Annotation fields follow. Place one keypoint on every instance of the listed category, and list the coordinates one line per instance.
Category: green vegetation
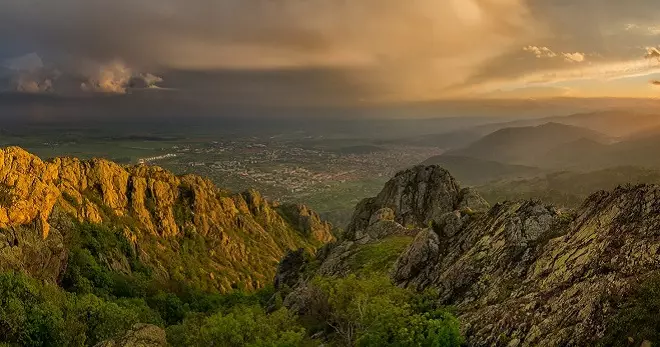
(35, 314)
(567, 189)
(379, 257)
(239, 326)
(638, 318)
(336, 202)
(371, 311)
(106, 289)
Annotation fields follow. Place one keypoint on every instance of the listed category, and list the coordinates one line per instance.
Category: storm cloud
(399, 47)
(371, 49)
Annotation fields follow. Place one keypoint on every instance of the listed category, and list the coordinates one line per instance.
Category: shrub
(638, 317)
(240, 326)
(372, 311)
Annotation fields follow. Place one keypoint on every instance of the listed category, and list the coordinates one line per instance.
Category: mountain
(449, 140)
(618, 123)
(181, 229)
(634, 151)
(615, 123)
(517, 273)
(472, 171)
(567, 189)
(526, 145)
(577, 154)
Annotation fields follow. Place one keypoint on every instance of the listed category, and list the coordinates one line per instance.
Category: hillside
(518, 274)
(567, 189)
(526, 145)
(473, 171)
(632, 151)
(182, 229)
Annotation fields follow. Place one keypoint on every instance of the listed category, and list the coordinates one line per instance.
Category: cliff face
(519, 273)
(243, 235)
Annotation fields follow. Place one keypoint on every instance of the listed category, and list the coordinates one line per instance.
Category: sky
(332, 52)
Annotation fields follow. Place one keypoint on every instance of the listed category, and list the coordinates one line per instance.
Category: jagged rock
(338, 259)
(411, 201)
(414, 196)
(308, 222)
(470, 200)
(526, 274)
(140, 335)
(384, 214)
(450, 223)
(23, 248)
(384, 228)
(245, 235)
(530, 224)
(424, 250)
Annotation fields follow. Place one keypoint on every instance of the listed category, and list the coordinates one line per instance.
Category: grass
(379, 257)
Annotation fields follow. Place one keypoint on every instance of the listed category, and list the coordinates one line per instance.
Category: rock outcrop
(416, 198)
(518, 274)
(409, 203)
(244, 235)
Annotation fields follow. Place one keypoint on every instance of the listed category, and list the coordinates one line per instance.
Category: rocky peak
(151, 205)
(416, 197)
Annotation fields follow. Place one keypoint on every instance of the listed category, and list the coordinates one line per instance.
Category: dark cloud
(401, 49)
(376, 49)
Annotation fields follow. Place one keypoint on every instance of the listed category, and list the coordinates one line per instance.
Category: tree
(373, 312)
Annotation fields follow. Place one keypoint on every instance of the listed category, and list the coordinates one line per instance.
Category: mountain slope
(520, 273)
(473, 171)
(526, 145)
(567, 189)
(183, 229)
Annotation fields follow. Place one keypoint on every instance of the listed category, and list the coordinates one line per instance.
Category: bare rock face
(470, 200)
(526, 274)
(415, 261)
(478, 252)
(413, 195)
(415, 198)
(28, 189)
(241, 231)
(141, 335)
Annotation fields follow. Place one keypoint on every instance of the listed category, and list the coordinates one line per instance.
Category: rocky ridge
(244, 235)
(519, 273)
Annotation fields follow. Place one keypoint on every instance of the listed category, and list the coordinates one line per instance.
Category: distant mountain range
(566, 189)
(474, 171)
(528, 145)
(613, 123)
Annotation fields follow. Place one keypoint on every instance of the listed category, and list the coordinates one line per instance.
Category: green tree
(240, 326)
(373, 312)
